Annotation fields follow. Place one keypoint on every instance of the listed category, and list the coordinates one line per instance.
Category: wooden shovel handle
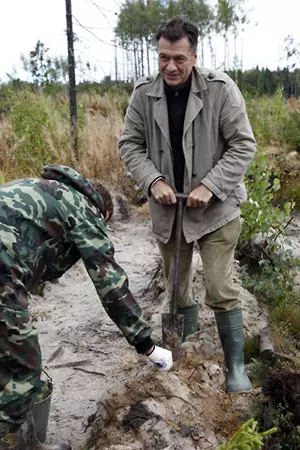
(181, 196)
(181, 201)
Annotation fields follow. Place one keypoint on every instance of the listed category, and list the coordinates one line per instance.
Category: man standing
(186, 130)
(46, 225)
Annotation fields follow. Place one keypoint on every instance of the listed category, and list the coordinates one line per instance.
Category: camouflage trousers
(20, 354)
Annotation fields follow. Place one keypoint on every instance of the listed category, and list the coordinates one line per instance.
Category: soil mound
(182, 409)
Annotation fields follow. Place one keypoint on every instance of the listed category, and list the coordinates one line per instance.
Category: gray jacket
(218, 146)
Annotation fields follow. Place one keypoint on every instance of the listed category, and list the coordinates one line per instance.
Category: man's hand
(161, 358)
(163, 193)
(199, 197)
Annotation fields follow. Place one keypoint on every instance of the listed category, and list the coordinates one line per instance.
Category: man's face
(175, 60)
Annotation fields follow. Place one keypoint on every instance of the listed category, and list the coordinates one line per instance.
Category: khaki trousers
(217, 254)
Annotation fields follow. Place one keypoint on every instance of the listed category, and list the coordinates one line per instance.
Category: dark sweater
(177, 98)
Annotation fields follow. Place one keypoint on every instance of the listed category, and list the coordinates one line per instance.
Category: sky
(24, 22)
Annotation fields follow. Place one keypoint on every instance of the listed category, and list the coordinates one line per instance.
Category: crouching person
(46, 225)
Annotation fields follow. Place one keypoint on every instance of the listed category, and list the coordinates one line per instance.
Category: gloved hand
(161, 357)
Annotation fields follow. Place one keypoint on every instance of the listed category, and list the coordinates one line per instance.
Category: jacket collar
(157, 87)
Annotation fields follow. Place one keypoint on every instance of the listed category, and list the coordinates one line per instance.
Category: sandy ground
(83, 351)
(89, 360)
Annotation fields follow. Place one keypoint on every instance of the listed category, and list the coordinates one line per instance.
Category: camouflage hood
(70, 177)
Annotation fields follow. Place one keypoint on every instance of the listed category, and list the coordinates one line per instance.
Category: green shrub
(269, 117)
(274, 281)
(41, 125)
(292, 129)
(272, 278)
(247, 437)
(29, 119)
(259, 212)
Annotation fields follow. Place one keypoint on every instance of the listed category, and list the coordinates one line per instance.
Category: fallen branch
(287, 358)
(99, 331)
(94, 372)
(174, 396)
(151, 281)
(55, 354)
(285, 226)
(193, 371)
(90, 420)
(91, 349)
(71, 364)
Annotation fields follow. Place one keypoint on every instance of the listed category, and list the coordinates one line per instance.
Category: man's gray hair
(178, 28)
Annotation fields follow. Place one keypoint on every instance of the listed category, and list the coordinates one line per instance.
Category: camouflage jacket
(49, 223)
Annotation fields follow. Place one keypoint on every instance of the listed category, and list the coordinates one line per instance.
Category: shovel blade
(172, 333)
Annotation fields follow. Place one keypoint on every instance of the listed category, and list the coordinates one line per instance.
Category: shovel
(172, 322)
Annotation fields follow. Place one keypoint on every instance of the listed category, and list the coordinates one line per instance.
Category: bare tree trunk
(202, 50)
(138, 63)
(142, 57)
(123, 65)
(224, 62)
(212, 53)
(241, 57)
(135, 56)
(226, 52)
(129, 64)
(72, 80)
(148, 58)
(132, 65)
(236, 60)
(116, 58)
(154, 59)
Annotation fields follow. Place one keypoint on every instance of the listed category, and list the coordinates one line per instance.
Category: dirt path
(83, 351)
(87, 358)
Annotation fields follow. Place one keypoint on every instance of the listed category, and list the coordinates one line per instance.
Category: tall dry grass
(98, 155)
(36, 131)
(8, 144)
(100, 122)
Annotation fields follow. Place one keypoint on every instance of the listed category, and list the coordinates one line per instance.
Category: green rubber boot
(190, 321)
(230, 327)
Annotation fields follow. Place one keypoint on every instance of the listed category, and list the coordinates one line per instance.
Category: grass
(275, 121)
(276, 126)
(287, 317)
(36, 132)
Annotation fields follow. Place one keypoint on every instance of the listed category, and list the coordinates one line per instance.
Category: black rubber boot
(190, 321)
(7, 436)
(230, 327)
(17, 436)
(23, 437)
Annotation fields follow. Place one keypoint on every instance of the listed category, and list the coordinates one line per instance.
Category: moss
(44, 391)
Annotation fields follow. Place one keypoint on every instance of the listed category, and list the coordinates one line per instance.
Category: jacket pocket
(239, 195)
